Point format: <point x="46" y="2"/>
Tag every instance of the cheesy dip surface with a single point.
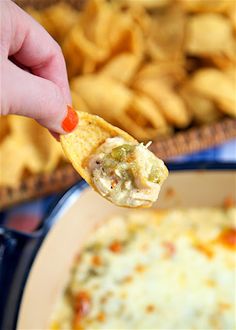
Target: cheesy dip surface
<point x="128" y="174"/>
<point x="155" y="270"/>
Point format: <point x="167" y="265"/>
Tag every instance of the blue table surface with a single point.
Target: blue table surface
<point x="27" y="216"/>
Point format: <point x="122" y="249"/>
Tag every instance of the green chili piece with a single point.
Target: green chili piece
<point x="154" y="175"/>
<point x="120" y="153"/>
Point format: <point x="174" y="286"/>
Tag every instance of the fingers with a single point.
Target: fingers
<point x="44" y="94"/>
<point x="32" y="96"/>
<point x="33" y="47"/>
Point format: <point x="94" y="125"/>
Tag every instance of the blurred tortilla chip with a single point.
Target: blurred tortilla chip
<point x="12" y="161"/>
<point x="210" y="35"/>
<point x="102" y="95"/>
<point x="170" y="104"/>
<point x="143" y="120"/>
<point x="202" y="109"/>
<point x="4" y="127"/>
<point x="61" y="17"/>
<point x="41" y="151"/>
<point x="166" y="36"/>
<point x="96" y="21"/>
<point x="127" y="36"/>
<point x="78" y="49"/>
<point x="170" y="73"/>
<point x="219" y="6"/>
<point x="149" y="4"/>
<point x="115" y="67"/>
<point x="217" y="86"/>
<point x="78" y="102"/>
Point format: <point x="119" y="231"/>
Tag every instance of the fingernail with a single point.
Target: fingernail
<point x="71" y="120"/>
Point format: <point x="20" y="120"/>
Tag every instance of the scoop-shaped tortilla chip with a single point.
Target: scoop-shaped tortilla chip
<point x="170" y="104"/>
<point x="203" y="109"/>
<point x="210" y="35"/>
<point x="115" y="68"/>
<point x="92" y="131"/>
<point x="119" y="168"/>
<point x="217" y="86"/>
<point x="104" y="96"/>
<point x="219" y="6"/>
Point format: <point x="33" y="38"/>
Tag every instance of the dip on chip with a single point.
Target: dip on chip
<point x="113" y="163"/>
<point x="127" y="173"/>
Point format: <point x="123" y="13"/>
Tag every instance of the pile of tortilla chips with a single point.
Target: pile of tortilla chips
<point x="147" y="66"/>
<point x="26" y="148"/>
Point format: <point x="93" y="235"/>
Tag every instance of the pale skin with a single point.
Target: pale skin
<point x="33" y="73"/>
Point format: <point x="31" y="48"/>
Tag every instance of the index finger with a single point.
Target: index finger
<point x="33" y="47"/>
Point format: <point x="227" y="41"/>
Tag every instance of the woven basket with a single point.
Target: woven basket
<point x="191" y="140"/>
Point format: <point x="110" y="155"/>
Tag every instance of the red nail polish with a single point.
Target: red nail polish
<point x="71" y="120"/>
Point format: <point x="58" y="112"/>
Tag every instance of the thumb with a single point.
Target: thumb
<point x="32" y="96"/>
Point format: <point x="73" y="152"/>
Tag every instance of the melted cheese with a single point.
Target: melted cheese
<point x="126" y="182"/>
<point x="155" y="270"/>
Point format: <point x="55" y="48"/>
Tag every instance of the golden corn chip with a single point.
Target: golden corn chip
<point x="91" y="132"/>
<point x="168" y="72"/>
<point x="216" y="86"/>
<point x="210" y="35"/>
<point x="127" y="36"/>
<point x="169" y="103"/>
<point x="149" y="4"/>
<point x="4" y="127"/>
<point x="78" y="102"/>
<point x="142" y="119"/>
<point x="230" y="71"/>
<point x="139" y="15"/>
<point x="166" y="35"/>
<point x="115" y="67"/>
<point x="42" y="151"/>
<point x="77" y="49"/>
<point x="202" y="109"/>
<point x="220" y="6"/>
<point x="62" y="17"/>
<point x="96" y="21"/>
<point x="232" y="16"/>
<point x="73" y="56"/>
<point x="12" y="161"/>
<point x="103" y="96"/>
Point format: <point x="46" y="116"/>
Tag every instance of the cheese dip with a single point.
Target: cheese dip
<point x="172" y="269"/>
<point x="127" y="173"/>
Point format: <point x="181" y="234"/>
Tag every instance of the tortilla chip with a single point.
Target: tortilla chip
<point x="78" y="102"/>
<point x="95" y="21"/>
<point x="166" y="35"/>
<point x="169" y="73"/>
<point x="203" y="110"/>
<point x="218" y="87"/>
<point x="102" y="95"/>
<point x="168" y="102"/>
<point x="40" y="150"/>
<point x="12" y="162"/>
<point x="77" y="49"/>
<point x="232" y="16"/>
<point x="4" y="127"/>
<point x="210" y="35"/>
<point x="127" y="36"/>
<point x="115" y="68"/>
<point x="62" y="17"/>
<point x="143" y="119"/>
<point x="91" y="132"/>
<point x="149" y="4"/>
<point x="219" y="6"/>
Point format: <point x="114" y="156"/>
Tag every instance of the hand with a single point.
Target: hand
<point x="33" y="71"/>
